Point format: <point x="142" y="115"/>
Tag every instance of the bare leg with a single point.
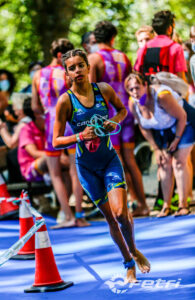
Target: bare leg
<point x="191" y="175"/>
<point x="118" y="238"/>
<point x="55" y="172"/>
<point x="77" y="191"/>
<point x="182" y="175"/>
<point x="136" y="177"/>
<point x="41" y="164"/>
<point x="128" y="178"/>
<point x="118" y="203"/>
<point x="165" y="172"/>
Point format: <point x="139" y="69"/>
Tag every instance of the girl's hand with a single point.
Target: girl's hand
<point x="88" y="133"/>
<point x="109" y="127"/>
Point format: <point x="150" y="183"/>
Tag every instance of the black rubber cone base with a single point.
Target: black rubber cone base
<point x="24" y="256"/>
<point x="12" y="215"/>
<point x="49" y="288"/>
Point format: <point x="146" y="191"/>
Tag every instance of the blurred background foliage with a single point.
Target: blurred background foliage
<point x="29" y="26"/>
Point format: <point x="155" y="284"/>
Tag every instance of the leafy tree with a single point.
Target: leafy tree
<point x="128" y="16"/>
<point x="29" y="26"/>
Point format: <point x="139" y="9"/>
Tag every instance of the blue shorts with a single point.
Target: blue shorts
<point x="164" y="138"/>
<point x="97" y="183"/>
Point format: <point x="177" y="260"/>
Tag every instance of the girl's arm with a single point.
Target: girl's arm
<point x="110" y="96"/>
<point x="63" y="113"/>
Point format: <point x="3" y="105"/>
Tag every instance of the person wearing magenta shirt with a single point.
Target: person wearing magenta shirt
<point x="112" y="66"/>
<point x="48" y="84"/>
<point x="31" y="154"/>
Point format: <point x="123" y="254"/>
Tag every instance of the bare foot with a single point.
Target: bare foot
<point x="142" y="262"/>
<point x="65" y="224"/>
<point x="141" y="212"/>
<point x="131" y="276"/>
<point x="81" y="222"/>
<point x="164" y="212"/>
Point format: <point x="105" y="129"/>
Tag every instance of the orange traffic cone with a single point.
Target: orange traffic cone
<point x="47" y="277"/>
<point x="26" y="222"/>
<point x="7" y="209"/>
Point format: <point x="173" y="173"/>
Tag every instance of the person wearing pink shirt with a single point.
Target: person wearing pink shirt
<point x="31" y="148"/>
<point x="171" y="54"/>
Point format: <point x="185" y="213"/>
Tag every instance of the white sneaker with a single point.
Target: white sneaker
<point x="47" y="179"/>
<point x="60" y="217"/>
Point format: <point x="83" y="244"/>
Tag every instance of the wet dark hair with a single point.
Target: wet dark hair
<point x="34" y="63"/>
<point x="104" y="31"/>
<point x="27" y="108"/>
<point x="11" y="79"/>
<point x="72" y="53"/>
<point x="162" y="20"/>
<point x="86" y="37"/>
<point x="60" y="45"/>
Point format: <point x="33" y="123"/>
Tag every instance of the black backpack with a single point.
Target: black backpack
<point x="156" y="59"/>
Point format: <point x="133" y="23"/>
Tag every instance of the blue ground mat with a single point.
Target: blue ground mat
<point x="89" y="258"/>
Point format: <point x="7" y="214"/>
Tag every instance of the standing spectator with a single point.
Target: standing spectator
<point x="7" y="84"/>
<point x="162" y="53"/>
<point x="163" y="122"/>
<point x="48" y="84"/>
<point x="187" y="48"/>
<point x="192" y="60"/>
<point x="112" y="66"/>
<point x="32" y="69"/>
<point x="88" y="42"/>
<point x="144" y="34"/>
<point x="192" y="69"/>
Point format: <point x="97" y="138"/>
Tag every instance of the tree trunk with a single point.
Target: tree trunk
<point x="52" y="20"/>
